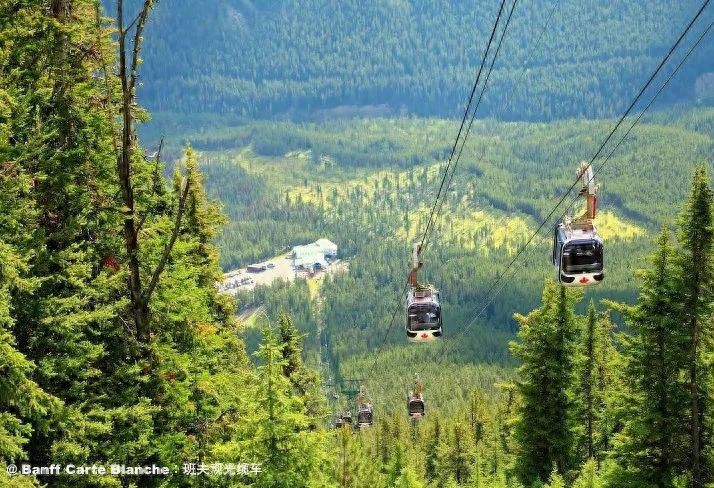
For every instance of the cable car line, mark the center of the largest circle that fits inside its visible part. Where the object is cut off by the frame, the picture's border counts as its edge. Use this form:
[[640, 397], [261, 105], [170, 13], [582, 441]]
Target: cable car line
[[619, 143], [423, 307], [586, 171], [537, 44], [518, 80], [612, 132], [446, 170], [473, 114], [463, 119], [572, 202]]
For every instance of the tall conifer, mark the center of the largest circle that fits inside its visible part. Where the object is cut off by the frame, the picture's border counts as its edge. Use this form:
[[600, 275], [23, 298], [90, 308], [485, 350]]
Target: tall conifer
[[695, 273], [545, 422]]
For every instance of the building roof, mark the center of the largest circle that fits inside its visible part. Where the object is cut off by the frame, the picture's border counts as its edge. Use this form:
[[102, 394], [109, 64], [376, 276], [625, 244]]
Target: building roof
[[309, 255], [311, 261], [314, 253], [306, 250], [326, 245]]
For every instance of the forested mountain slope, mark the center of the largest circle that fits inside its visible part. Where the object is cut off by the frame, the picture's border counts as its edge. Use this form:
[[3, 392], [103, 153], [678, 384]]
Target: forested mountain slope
[[324, 58], [117, 349], [368, 185]]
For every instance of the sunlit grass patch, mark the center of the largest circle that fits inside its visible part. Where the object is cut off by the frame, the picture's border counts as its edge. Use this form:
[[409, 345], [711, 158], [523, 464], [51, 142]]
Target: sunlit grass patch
[[610, 226], [313, 288]]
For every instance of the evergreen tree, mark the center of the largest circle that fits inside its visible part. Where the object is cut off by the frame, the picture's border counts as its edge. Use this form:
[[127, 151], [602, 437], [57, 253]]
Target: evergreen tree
[[588, 379], [291, 348], [60, 148], [408, 479], [545, 430], [595, 383], [24, 405], [397, 463], [276, 431], [460, 455], [305, 381], [556, 480], [477, 416], [695, 271], [431, 450], [651, 448], [589, 477]]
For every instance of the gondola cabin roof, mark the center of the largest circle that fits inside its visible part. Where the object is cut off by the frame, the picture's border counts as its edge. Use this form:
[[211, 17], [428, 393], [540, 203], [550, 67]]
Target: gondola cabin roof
[[425, 296], [583, 231]]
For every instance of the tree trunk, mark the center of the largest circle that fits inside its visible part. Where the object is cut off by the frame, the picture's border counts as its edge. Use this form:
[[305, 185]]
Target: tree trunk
[[697, 481]]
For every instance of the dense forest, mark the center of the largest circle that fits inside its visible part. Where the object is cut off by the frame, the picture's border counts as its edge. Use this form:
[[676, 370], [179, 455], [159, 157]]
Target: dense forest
[[329, 184], [337, 58], [117, 349]]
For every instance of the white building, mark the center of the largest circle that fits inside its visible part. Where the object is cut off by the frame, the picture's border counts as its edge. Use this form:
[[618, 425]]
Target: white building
[[329, 248], [314, 256]]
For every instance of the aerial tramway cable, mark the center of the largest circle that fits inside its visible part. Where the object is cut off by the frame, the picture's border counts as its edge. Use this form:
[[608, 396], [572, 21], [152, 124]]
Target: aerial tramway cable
[[449, 162], [473, 114], [493, 290], [539, 39], [431, 219], [537, 43]]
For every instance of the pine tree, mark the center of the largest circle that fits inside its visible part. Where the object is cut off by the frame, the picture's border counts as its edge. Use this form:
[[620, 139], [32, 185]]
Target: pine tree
[[408, 479], [544, 430], [305, 381], [589, 477], [649, 449], [556, 480], [291, 349], [397, 463], [595, 362], [588, 380], [276, 430], [431, 450], [24, 405], [61, 145], [461, 456], [477, 416], [695, 271]]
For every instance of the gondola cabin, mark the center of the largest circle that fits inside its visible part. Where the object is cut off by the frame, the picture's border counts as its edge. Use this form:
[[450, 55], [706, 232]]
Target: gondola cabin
[[364, 415], [415, 405], [578, 254], [423, 315]]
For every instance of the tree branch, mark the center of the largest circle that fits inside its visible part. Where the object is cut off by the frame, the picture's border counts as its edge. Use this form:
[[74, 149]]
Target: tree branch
[[169, 245], [131, 239], [140, 24]]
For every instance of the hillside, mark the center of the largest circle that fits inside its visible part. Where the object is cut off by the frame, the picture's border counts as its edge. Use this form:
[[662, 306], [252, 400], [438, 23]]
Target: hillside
[[368, 185], [126, 362], [329, 58]]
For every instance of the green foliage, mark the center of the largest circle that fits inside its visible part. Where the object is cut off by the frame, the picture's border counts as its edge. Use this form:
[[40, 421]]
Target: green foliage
[[589, 477], [545, 426], [595, 384], [277, 431], [342, 58], [80, 384], [695, 263], [556, 480], [651, 442], [408, 479], [666, 366], [373, 214]]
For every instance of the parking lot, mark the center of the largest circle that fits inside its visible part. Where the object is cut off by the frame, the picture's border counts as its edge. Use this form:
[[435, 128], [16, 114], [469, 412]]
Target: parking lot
[[242, 279]]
